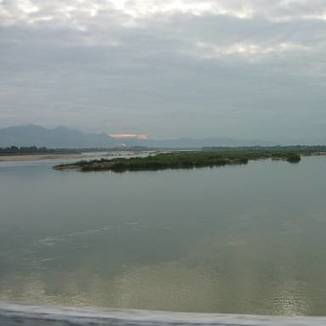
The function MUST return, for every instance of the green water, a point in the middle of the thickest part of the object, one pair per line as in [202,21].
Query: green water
[246,239]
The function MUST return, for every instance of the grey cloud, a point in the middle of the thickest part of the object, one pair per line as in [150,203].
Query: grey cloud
[128,69]
[81,10]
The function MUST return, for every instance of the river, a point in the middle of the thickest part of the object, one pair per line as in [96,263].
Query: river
[236,239]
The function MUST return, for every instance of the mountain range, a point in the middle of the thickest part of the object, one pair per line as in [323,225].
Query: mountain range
[62,137]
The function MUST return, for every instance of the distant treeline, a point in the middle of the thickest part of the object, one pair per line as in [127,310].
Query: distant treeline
[303,149]
[30,150]
[14,150]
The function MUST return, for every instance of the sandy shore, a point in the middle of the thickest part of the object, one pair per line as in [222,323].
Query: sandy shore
[14,315]
[38,157]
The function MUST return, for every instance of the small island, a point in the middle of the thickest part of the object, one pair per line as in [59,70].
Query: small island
[208,157]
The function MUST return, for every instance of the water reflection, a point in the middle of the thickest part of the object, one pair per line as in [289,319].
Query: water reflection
[234,240]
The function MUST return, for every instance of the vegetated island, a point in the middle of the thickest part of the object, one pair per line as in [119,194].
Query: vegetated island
[207,157]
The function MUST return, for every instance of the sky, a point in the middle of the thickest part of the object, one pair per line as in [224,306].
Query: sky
[250,69]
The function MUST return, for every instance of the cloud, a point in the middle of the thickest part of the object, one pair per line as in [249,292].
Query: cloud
[221,27]
[207,29]
[79,11]
[177,67]
[207,50]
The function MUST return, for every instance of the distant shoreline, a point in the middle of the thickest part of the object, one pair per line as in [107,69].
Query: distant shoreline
[85,154]
[32,153]
[37,157]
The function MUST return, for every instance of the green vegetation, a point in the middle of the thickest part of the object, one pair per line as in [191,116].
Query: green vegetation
[293,158]
[195,159]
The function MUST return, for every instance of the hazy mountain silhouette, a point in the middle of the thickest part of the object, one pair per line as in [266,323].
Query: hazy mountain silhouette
[197,143]
[62,137]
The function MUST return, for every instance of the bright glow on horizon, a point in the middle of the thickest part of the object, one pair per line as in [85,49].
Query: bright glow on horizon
[129,136]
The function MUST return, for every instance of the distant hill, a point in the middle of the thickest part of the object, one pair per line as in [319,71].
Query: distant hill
[196,143]
[61,137]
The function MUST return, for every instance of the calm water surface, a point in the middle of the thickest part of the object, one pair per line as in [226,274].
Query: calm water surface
[247,239]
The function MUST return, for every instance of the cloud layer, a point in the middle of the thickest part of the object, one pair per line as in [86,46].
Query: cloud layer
[250,68]
[82,11]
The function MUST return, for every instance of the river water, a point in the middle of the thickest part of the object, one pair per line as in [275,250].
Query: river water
[237,239]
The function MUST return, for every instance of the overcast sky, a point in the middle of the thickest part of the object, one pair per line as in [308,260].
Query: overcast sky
[253,69]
